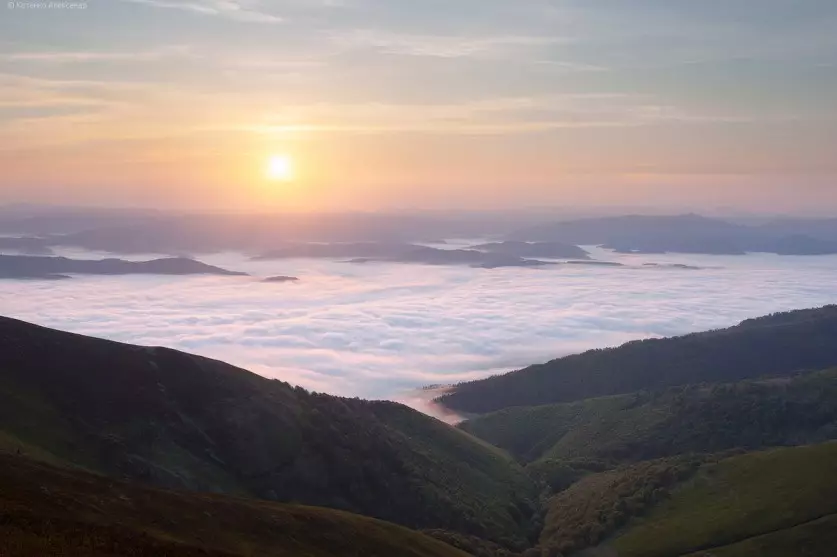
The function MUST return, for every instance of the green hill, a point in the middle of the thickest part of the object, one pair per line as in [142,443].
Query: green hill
[817,538]
[781,498]
[50,511]
[779,344]
[176,420]
[779,502]
[605,432]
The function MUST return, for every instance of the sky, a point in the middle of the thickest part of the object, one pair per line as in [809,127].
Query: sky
[383,104]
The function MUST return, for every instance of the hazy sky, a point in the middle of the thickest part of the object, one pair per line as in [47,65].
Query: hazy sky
[430,103]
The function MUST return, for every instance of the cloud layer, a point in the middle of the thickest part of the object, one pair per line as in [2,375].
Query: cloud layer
[381,330]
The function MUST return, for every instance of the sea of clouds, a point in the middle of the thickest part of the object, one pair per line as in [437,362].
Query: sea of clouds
[380,330]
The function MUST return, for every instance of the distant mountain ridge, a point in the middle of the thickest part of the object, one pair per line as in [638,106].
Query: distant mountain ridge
[364,252]
[150,232]
[688,234]
[25,266]
[535,249]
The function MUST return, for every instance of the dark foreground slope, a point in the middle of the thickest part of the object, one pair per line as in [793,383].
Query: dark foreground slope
[46,511]
[778,344]
[681,420]
[176,420]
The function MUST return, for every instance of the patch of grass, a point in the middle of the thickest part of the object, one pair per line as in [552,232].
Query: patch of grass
[813,539]
[737,499]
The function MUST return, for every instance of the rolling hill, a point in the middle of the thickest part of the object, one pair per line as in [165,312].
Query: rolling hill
[175,420]
[46,510]
[113,449]
[782,500]
[732,507]
[609,431]
[779,345]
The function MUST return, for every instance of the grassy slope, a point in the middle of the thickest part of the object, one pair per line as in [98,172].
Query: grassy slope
[738,499]
[50,512]
[642,426]
[777,345]
[813,539]
[176,420]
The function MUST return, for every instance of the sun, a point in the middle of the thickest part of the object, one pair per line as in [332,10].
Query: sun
[280,168]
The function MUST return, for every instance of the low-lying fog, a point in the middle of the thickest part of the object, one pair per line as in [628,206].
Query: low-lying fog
[379,330]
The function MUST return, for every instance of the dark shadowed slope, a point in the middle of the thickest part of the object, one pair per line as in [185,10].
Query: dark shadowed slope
[177,420]
[51,511]
[23,266]
[779,344]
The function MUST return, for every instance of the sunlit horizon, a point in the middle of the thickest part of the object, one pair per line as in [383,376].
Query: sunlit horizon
[388,105]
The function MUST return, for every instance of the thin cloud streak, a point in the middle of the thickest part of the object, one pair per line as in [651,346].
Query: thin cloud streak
[64,56]
[442,46]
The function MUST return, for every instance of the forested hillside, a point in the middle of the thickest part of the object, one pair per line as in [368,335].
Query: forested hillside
[779,344]
[681,420]
[175,420]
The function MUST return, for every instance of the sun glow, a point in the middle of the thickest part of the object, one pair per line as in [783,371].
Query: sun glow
[280,168]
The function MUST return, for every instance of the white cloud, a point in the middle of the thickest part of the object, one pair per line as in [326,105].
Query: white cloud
[380,330]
